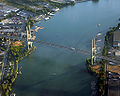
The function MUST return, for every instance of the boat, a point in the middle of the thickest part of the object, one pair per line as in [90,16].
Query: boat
[72,48]
[99,40]
[51,14]
[19,72]
[98,25]
[47,18]
[99,34]
[13,94]
[54,74]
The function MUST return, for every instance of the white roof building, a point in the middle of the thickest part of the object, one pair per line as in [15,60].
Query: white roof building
[117,53]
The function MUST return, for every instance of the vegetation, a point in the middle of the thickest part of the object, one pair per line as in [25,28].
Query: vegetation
[101,75]
[90,67]
[15,54]
[24,4]
[101,80]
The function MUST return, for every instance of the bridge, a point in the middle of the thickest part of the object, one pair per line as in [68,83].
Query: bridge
[115,60]
[78,51]
[29,42]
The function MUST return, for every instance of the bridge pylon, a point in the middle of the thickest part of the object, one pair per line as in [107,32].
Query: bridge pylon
[29,42]
[93,52]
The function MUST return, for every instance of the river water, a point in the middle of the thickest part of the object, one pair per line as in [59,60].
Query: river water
[53,71]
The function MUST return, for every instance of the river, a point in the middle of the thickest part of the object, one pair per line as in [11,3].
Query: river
[53,71]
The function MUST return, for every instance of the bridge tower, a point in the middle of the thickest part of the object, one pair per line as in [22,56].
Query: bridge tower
[29,42]
[93,57]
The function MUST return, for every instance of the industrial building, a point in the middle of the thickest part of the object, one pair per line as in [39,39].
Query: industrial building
[116,38]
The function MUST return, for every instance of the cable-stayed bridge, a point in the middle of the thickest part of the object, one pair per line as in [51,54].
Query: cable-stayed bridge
[115,60]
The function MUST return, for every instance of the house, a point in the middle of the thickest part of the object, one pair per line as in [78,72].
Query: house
[116,39]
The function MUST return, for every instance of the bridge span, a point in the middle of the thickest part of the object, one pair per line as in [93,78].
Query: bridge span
[79,51]
[115,60]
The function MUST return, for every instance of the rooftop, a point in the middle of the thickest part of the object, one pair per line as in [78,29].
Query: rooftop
[116,36]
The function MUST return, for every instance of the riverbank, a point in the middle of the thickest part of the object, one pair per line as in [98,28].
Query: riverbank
[15,55]
[39,9]
[101,69]
[13,58]
[80,1]
[98,71]
[59,60]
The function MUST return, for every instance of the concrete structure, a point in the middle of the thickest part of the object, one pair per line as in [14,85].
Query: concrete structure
[93,57]
[29,42]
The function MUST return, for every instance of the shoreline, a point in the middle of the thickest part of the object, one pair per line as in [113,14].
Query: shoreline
[80,1]
[102,66]
[7,83]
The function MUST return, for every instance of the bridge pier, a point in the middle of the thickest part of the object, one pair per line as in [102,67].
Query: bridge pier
[29,45]
[29,37]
